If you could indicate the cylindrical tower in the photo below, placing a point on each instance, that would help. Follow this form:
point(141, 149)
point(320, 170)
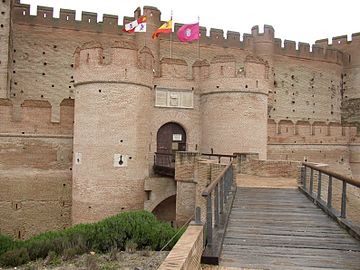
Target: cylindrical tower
point(264, 48)
point(111, 138)
point(234, 107)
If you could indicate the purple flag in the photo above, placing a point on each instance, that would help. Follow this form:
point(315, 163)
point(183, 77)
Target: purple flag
point(188, 32)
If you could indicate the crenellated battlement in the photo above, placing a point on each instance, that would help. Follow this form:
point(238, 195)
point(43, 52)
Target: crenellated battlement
point(125, 64)
point(225, 74)
point(339, 40)
point(287, 131)
point(45, 17)
point(109, 24)
point(302, 50)
point(268, 34)
point(33, 117)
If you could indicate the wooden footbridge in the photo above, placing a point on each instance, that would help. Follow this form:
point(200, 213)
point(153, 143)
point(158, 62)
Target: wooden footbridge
point(284, 228)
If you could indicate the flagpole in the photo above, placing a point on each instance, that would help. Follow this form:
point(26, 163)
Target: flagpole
point(199, 38)
point(171, 34)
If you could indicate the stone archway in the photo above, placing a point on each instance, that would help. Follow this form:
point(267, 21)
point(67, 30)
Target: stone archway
point(166, 210)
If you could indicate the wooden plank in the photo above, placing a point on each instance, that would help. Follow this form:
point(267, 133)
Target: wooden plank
point(282, 229)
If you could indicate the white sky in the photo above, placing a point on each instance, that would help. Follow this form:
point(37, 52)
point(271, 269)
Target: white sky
point(301, 20)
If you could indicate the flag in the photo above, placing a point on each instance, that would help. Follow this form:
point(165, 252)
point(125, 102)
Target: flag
point(165, 28)
point(141, 28)
point(138, 25)
point(188, 32)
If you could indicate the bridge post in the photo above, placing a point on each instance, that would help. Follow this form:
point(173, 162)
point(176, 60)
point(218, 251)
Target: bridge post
point(329, 197)
point(311, 181)
point(304, 177)
point(343, 201)
point(221, 197)
point(209, 220)
point(319, 187)
point(216, 206)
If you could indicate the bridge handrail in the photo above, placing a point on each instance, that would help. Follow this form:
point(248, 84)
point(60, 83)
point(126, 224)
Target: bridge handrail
point(219, 196)
point(164, 154)
point(207, 191)
point(327, 204)
point(348, 180)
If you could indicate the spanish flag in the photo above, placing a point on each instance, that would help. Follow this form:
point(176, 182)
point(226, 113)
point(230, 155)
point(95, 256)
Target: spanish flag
point(165, 28)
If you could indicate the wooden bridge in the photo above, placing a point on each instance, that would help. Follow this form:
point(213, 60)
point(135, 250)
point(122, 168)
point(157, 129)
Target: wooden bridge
point(283, 227)
point(252, 222)
point(275, 228)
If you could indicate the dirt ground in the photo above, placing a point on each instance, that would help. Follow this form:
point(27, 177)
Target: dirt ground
point(244, 180)
point(143, 260)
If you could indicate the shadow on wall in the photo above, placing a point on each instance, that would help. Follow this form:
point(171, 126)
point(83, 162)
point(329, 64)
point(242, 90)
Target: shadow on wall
point(166, 210)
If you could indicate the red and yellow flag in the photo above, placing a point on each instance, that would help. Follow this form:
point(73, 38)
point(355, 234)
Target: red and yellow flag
point(165, 28)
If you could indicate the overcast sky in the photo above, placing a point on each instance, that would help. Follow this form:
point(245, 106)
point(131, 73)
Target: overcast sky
point(301, 20)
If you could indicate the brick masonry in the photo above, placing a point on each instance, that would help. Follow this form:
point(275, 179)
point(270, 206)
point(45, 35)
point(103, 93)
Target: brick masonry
point(253, 95)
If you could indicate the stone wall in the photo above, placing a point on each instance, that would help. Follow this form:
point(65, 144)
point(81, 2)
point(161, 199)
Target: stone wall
point(269, 168)
point(4, 45)
point(351, 72)
point(36, 168)
point(305, 93)
point(313, 142)
point(306, 90)
point(186, 254)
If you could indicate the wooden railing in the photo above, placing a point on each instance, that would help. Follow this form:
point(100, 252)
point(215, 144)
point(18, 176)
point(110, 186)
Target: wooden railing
point(164, 164)
point(219, 197)
point(218, 157)
point(325, 186)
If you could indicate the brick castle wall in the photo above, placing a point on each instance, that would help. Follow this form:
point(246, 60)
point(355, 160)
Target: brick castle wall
point(4, 46)
point(305, 93)
point(36, 168)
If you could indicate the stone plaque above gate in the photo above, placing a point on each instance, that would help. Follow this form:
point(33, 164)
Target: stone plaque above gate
point(174, 98)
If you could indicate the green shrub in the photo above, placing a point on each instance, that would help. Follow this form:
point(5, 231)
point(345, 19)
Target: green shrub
point(6, 243)
point(15, 257)
point(140, 227)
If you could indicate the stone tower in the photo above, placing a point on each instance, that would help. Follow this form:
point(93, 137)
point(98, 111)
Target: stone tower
point(234, 106)
point(111, 135)
point(264, 47)
point(5, 23)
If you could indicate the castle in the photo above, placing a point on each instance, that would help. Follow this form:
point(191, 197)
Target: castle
point(84, 107)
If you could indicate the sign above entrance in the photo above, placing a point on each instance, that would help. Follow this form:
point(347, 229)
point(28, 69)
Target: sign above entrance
point(174, 98)
point(177, 137)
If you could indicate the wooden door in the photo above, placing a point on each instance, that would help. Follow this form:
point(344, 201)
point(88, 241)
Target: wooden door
point(171, 137)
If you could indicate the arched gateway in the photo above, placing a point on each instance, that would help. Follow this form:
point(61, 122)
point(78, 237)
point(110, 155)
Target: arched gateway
point(171, 137)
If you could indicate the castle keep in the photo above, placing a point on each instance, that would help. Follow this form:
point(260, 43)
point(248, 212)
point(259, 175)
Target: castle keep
point(84, 107)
